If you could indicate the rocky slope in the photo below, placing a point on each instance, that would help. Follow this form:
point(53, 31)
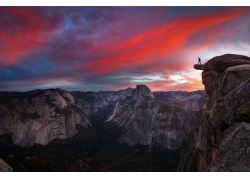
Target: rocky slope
point(222, 141)
point(39, 116)
point(148, 121)
point(112, 97)
point(89, 102)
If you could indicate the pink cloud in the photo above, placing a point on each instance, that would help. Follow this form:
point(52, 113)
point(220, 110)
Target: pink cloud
point(159, 43)
point(22, 32)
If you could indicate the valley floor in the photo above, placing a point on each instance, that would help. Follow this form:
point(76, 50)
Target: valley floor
point(93, 149)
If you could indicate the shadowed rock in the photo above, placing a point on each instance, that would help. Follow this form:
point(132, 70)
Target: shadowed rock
point(234, 76)
point(222, 141)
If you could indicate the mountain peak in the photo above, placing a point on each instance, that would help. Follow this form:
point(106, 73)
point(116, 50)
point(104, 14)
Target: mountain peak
point(142, 91)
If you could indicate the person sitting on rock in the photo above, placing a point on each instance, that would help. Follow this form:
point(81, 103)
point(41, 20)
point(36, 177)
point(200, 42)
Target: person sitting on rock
point(199, 60)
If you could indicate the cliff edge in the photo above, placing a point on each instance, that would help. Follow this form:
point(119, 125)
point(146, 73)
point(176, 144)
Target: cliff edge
point(222, 141)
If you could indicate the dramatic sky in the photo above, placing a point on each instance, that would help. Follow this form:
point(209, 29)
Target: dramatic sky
point(112, 48)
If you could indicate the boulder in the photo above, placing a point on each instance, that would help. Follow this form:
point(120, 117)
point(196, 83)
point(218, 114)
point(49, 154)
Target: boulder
point(233, 77)
point(219, 64)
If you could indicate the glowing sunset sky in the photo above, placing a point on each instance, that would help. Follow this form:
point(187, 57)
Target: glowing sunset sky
point(112, 48)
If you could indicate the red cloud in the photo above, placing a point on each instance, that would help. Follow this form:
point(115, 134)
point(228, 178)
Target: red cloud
point(159, 43)
point(21, 31)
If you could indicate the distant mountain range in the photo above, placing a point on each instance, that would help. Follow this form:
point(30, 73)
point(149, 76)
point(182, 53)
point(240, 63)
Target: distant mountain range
point(114, 130)
point(40, 116)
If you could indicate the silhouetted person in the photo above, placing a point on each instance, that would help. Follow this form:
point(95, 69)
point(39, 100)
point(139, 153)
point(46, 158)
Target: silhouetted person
point(199, 60)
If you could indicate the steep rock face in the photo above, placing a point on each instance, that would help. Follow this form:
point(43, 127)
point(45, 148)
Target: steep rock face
point(142, 91)
point(39, 116)
point(4, 167)
point(148, 121)
point(221, 142)
point(234, 151)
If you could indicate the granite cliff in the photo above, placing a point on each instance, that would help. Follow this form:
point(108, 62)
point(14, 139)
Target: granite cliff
point(222, 141)
point(148, 121)
point(40, 116)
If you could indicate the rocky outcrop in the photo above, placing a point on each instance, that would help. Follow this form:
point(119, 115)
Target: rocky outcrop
point(68, 97)
point(57, 99)
point(4, 167)
point(219, 64)
point(39, 116)
point(151, 122)
point(221, 143)
point(200, 67)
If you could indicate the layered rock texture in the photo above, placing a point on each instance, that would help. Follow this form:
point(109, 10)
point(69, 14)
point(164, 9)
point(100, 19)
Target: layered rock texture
point(4, 167)
point(40, 116)
point(148, 121)
point(222, 141)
